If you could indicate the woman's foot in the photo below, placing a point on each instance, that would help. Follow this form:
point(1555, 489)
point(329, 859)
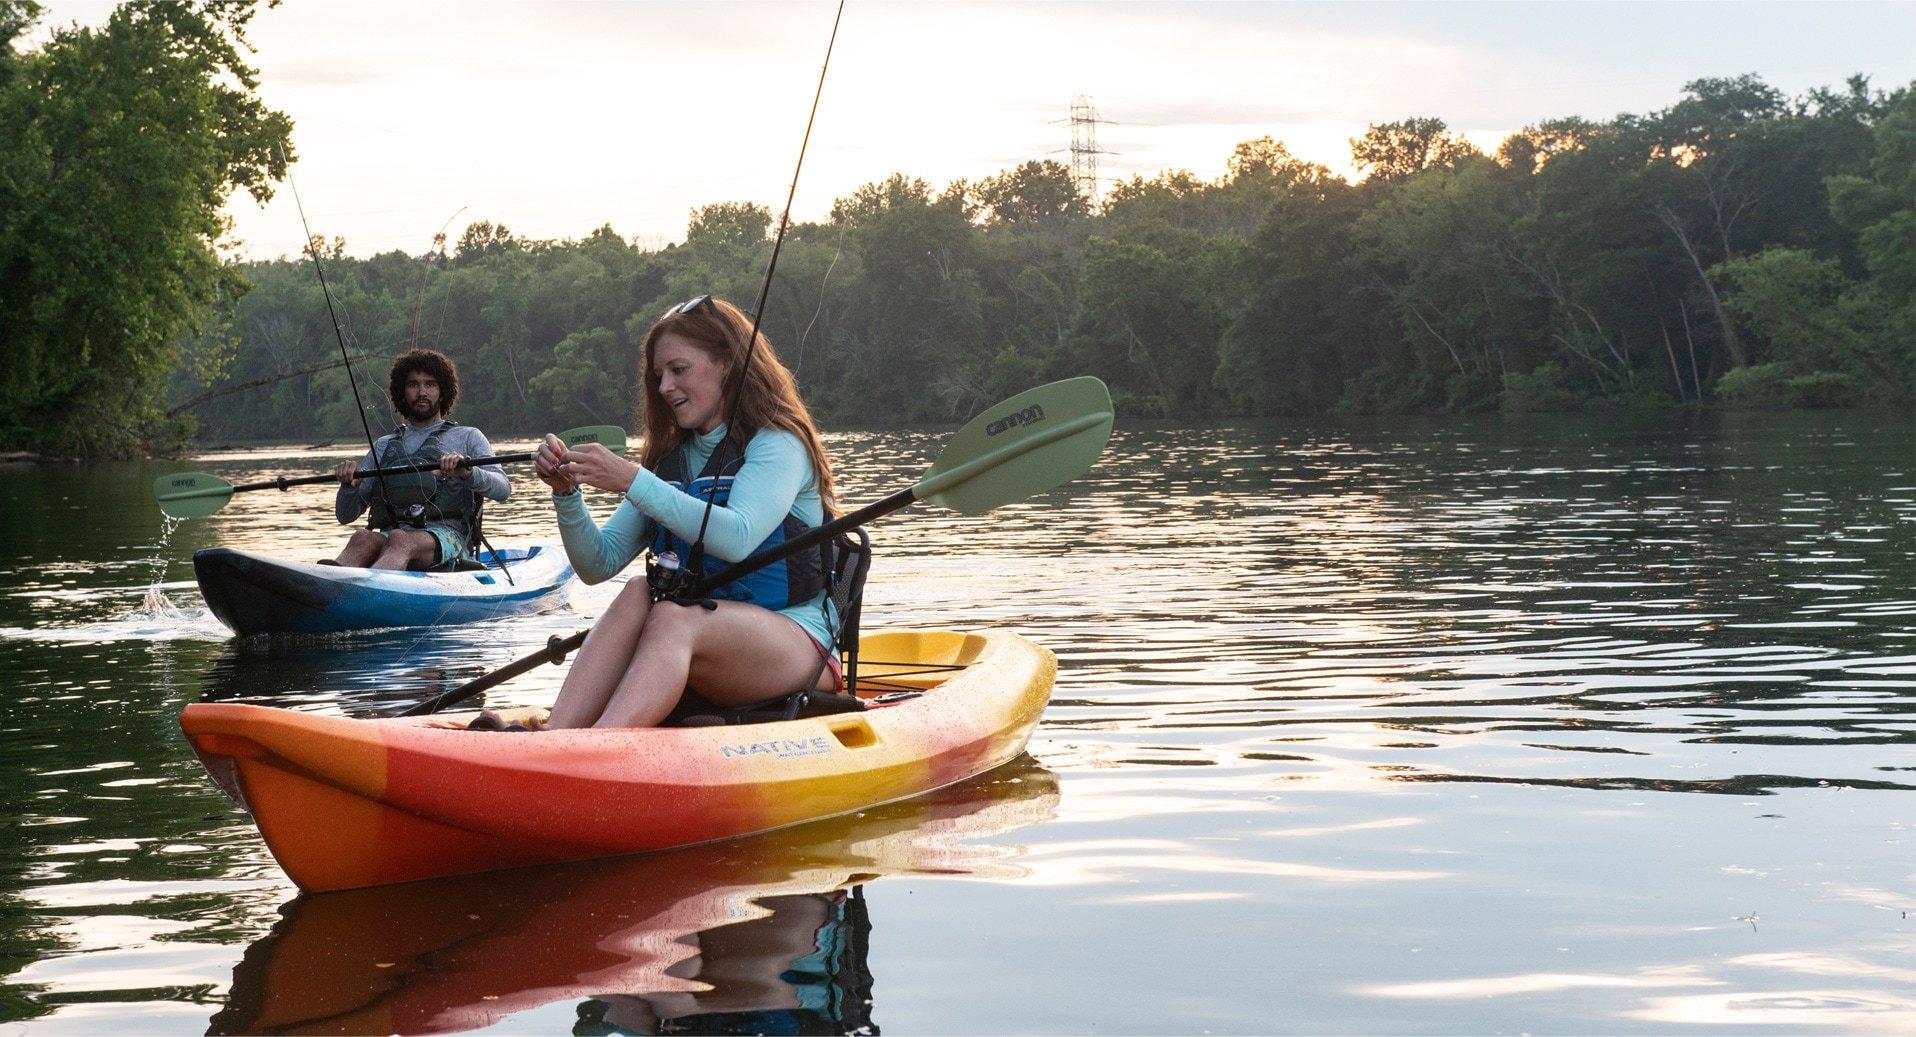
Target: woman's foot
point(525, 718)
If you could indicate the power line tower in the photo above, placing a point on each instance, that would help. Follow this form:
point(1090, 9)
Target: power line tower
point(1084, 147)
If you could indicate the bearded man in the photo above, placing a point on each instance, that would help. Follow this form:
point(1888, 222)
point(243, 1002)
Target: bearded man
point(423, 520)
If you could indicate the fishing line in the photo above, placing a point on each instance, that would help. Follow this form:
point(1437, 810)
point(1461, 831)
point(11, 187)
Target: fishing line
point(799, 361)
point(352, 379)
point(425, 267)
point(758, 312)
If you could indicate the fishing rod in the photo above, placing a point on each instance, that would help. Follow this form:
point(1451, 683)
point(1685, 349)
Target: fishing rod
point(675, 583)
point(673, 580)
point(372, 450)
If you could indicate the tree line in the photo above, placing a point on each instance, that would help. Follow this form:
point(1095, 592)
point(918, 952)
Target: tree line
point(1740, 247)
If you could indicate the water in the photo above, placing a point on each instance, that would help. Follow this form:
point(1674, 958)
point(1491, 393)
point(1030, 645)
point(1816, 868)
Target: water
point(1544, 725)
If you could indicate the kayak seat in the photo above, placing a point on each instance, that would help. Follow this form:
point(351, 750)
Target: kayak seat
point(851, 561)
point(468, 564)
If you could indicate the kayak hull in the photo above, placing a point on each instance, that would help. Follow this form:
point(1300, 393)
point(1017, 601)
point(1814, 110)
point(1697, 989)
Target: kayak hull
point(258, 594)
point(348, 803)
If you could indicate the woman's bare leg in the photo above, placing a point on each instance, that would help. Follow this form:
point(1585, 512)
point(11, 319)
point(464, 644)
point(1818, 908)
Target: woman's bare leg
point(734, 655)
point(604, 658)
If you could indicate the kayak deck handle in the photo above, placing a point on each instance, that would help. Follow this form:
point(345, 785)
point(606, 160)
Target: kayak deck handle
point(852, 731)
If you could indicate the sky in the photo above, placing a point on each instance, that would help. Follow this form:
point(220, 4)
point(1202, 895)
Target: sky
point(556, 117)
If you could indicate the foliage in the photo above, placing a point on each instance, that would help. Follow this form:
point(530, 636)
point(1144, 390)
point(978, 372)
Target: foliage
point(1780, 387)
point(1398, 150)
point(120, 145)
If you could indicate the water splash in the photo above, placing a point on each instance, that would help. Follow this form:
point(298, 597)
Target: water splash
point(156, 616)
point(154, 604)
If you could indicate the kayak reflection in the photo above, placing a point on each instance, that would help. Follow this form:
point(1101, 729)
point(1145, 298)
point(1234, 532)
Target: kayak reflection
point(766, 934)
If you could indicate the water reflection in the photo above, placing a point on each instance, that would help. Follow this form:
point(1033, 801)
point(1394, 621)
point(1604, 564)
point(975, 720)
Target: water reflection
point(768, 934)
point(1492, 702)
point(388, 669)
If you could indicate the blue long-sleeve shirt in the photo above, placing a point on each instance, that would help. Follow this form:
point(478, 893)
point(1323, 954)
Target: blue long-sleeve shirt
point(776, 480)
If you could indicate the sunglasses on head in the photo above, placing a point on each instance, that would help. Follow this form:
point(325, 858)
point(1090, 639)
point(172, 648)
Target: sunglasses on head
point(690, 305)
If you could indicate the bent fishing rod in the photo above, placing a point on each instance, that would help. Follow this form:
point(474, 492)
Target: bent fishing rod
point(672, 583)
point(675, 584)
point(359, 405)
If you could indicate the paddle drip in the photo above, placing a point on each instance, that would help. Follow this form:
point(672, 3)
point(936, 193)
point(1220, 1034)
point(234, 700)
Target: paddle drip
point(155, 607)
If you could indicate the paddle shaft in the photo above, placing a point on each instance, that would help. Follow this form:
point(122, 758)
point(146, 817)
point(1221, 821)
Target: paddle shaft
point(282, 482)
point(810, 538)
point(558, 648)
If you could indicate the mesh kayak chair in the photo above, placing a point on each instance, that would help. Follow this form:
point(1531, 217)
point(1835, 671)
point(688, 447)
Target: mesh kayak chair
point(475, 536)
point(851, 561)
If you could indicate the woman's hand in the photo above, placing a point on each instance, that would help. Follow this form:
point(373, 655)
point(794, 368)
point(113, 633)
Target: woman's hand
point(593, 465)
point(546, 466)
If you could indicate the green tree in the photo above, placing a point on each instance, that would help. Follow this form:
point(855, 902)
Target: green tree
point(122, 145)
point(1821, 339)
point(1308, 324)
point(1394, 150)
point(1034, 194)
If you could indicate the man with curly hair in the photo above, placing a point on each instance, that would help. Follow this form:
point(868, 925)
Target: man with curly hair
point(423, 520)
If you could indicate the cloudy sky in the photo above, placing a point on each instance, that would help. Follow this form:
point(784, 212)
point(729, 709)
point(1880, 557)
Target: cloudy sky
point(556, 117)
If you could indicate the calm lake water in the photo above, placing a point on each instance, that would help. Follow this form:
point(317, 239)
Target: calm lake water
point(1556, 725)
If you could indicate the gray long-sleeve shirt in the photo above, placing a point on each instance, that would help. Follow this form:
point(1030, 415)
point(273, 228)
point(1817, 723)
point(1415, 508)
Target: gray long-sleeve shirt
point(352, 501)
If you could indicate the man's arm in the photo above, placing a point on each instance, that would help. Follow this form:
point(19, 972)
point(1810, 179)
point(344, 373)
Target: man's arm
point(353, 499)
point(488, 480)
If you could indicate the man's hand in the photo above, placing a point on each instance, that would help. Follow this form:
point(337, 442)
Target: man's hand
point(546, 466)
point(452, 466)
point(347, 472)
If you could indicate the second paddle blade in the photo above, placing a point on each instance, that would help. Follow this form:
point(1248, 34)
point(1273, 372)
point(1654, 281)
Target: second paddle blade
point(611, 437)
point(1038, 439)
point(185, 495)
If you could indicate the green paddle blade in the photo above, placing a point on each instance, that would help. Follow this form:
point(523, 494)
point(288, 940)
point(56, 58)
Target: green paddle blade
point(185, 495)
point(611, 437)
point(1036, 440)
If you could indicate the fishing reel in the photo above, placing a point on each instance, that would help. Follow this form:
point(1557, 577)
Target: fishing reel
point(672, 581)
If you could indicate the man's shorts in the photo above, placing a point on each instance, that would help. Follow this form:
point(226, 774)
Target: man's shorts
point(448, 544)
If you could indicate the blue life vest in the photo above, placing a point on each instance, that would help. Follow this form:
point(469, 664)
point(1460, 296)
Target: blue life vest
point(782, 584)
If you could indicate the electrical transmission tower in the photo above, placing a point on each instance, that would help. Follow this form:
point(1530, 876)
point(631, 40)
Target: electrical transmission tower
point(1084, 147)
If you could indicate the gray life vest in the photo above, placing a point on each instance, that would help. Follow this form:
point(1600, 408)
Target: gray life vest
point(421, 497)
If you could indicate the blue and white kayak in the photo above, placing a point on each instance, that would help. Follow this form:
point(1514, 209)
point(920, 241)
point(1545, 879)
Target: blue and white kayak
point(257, 594)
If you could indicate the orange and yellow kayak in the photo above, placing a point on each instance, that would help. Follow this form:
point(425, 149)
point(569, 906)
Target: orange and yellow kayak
point(345, 803)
